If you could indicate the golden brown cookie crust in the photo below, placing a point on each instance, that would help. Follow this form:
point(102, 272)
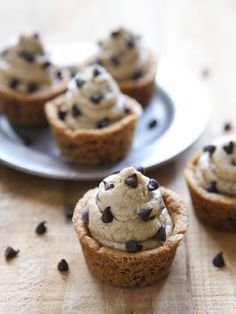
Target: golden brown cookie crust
point(132, 269)
point(97, 146)
point(217, 210)
point(28, 109)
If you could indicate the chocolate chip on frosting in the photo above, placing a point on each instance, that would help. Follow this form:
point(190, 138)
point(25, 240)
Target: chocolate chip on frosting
point(108, 185)
point(27, 56)
point(210, 149)
point(107, 215)
point(137, 75)
point(14, 82)
point(79, 82)
point(152, 185)
point(132, 181)
point(131, 43)
point(140, 169)
point(145, 213)
point(46, 64)
point(96, 72)
point(32, 87)
point(229, 148)
point(133, 246)
point(59, 74)
point(115, 33)
point(103, 123)
point(161, 234)
point(127, 110)
point(96, 98)
point(152, 123)
point(212, 187)
point(114, 60)
point(62, 114)
point(75, 111)
point(85, 216)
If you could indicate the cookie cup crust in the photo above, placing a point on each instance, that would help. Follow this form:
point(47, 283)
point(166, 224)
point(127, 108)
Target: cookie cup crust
point(217, 210)
point(125, 269)
point(94, 146)
point(28, 109)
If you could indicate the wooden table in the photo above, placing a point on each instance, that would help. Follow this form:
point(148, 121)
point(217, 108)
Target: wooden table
point(197, 34)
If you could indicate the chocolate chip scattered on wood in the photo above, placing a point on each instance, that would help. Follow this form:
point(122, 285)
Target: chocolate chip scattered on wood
point(41, 228)
point(10, 253)
point(132, 181)
point(218, 261)
point(210, 149)
point(63, 266)
point(229, 148)
point(107, 215)
point(133, 246)
point(212, 187)
point(145, 213)
point(161, 234)
point(153, 185)
point(85, 216)
point(108, 185)
point(140, 169)
point(152, 124)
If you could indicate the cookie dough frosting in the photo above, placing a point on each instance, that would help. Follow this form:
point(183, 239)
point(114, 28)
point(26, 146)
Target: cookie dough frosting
point(123, 55)
point(216, 168)
point(25, 67)
point(128, 212)
point(93, 100)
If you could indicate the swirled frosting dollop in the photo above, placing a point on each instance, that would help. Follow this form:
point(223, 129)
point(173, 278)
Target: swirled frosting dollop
point(216, 168)
point(123, 55)
point(129, 213)
point(25, 66)
point(93, 100)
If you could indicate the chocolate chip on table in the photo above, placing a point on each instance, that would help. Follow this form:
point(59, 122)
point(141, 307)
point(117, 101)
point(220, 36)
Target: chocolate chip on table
point(115, 33)
point(228, 127)
point(140, 169)
point(229, 148)
point(152, 123)
point(133, 246)
point(210, 149)
point(137, 75)
point(10, 253)
point(96, 72)
point(63, 265)
point(218, 261)
point(62, 114)
point(46, 64)
point(41, 228)
point(145, 213)
point(132, 181)
point(103, 123)
point(26, 55)
point(161, 234)
point(79, 82)
point(32, 87)
point(85, 216)
point(75, 111)
point(152, 185)
point(107, 215)
point(212, 187)
point(96, 98)
point(114, 60)
point(14, 82)
point(108, 185)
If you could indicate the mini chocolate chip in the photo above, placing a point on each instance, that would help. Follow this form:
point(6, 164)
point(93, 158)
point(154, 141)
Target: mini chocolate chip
point(218, 261)
point(96, 98)
point(96, 72)
point(233, 162)
point(108, 185)
point(115, 33)
point(145, 213)
point(229, 148)
point(41, 228)
point(26, 55)
point(152, 124)
point(140, 169)
point(210, 149)
point(132, 181)
point(152, 185)
point(161, 234)
point(103, 123)
point(127, 110)
point(212, 187)
point(46, 64)
point(85, 216)
point(131, 43)
point(75, 111)
point(137, 75)
point(228, 126)
point(10, 253)
point(32, 87)
point(79, 82)
point(133, 246)
point(63, 265)
point(114, 60)
point(14, 83)
point(59, 74)
point(107, 215)
point(62, 114)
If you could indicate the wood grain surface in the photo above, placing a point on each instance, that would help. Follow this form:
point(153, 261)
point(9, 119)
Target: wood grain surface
point(197, 34)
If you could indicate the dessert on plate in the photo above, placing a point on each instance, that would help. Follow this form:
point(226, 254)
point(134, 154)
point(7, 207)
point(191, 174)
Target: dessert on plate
point(129, 228)
point(130, 62)
point(93, 123)
point(211, 178)
point(28, 79)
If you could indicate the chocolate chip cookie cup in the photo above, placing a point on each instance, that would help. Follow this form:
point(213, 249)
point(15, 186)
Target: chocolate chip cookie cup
point(211, 179)
point(129, 229)
point(27, 81)
point(94, 123)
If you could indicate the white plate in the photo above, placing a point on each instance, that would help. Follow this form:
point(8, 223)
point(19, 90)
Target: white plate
point(180, 105)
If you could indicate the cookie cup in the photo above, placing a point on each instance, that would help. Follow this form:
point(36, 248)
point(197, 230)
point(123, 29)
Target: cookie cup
point(125, 269)
point(28, 109)
point(217, 210)
point(96, 146)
